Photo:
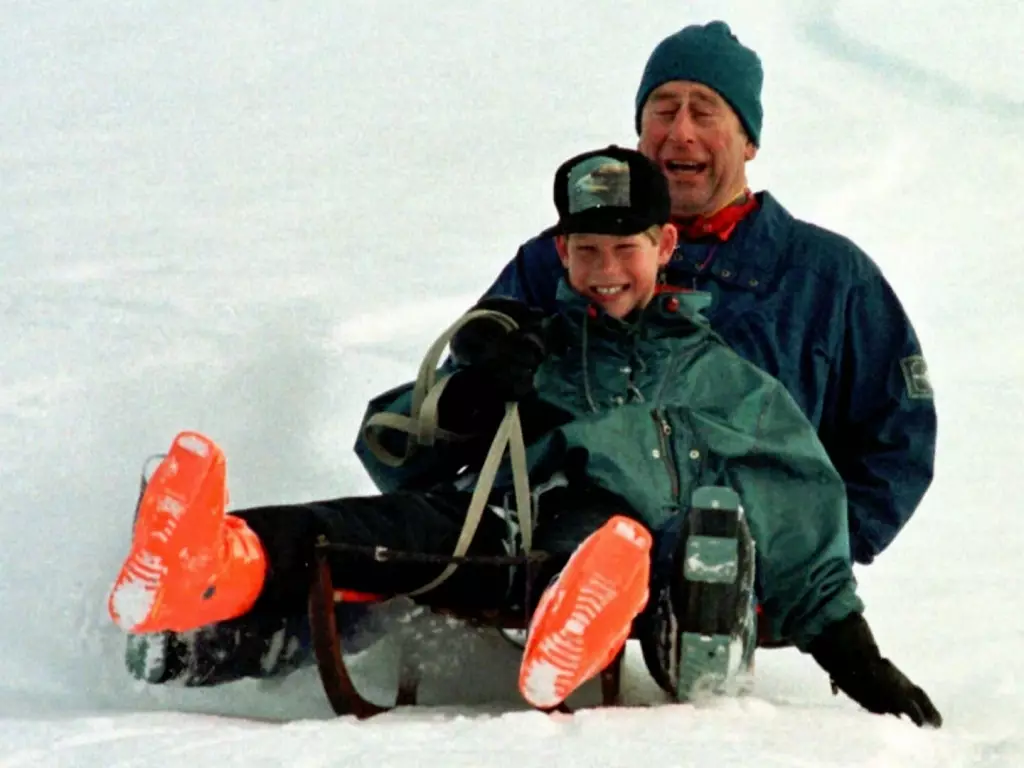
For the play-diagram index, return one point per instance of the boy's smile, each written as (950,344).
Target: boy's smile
(617,272)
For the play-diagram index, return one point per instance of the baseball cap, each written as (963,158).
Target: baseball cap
(610,191)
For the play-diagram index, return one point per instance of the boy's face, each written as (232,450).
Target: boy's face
(617,272)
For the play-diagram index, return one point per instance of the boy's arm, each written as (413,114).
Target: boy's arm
(532,276)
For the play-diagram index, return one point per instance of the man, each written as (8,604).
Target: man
(805,304)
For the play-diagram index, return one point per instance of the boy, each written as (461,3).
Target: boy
(642,428)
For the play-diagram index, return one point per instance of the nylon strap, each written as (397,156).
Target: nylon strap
(422,430)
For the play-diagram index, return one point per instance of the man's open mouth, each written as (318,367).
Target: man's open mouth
(679,166)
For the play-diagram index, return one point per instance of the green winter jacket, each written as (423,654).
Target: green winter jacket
(657,405)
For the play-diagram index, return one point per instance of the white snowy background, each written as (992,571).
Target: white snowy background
(248,217)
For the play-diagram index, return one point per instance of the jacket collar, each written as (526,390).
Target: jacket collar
(749,259)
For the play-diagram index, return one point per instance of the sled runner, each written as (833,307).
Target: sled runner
(345,698)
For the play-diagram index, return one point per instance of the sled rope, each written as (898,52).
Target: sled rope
(423,431)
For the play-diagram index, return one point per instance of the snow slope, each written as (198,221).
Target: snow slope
(248,218)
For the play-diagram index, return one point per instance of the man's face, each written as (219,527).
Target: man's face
(693,134)
(617,272)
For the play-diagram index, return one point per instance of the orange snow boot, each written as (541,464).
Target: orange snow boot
(585,616)
(190,564)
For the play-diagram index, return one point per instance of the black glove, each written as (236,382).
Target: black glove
(501,362)
(848,652)
(495,366)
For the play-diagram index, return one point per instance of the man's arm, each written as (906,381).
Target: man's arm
(880,428)
(532,276)
(796,511)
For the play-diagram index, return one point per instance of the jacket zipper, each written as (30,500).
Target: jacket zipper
(664,433)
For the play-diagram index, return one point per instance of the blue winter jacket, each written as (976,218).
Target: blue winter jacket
(813,310)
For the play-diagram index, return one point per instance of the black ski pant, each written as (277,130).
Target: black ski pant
(406,521)
(427,523)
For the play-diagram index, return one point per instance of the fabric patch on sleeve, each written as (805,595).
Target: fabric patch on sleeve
(915,374)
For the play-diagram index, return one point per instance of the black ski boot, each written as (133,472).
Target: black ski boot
(699,631)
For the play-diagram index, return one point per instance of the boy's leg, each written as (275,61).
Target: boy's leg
(273,637)
(566,516)
(415,522)
(185,557)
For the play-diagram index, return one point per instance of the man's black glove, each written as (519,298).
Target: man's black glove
(495,366)
(848,652)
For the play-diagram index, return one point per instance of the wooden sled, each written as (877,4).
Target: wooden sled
(342,693)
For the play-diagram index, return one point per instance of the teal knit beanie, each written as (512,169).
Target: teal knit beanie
(709,54)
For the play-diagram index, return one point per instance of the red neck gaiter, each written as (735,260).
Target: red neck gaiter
(719,225)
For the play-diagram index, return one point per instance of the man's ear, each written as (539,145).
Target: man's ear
(562,246)
(749,151)
(667,244)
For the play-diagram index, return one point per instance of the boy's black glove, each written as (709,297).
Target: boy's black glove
(496,366)
(500,361)
(848,652)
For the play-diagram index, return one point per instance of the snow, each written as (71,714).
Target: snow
(131,602)
(248,218)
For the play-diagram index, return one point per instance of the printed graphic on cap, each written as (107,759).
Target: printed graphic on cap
(597,182)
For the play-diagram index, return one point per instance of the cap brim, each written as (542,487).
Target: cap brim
(605,221)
